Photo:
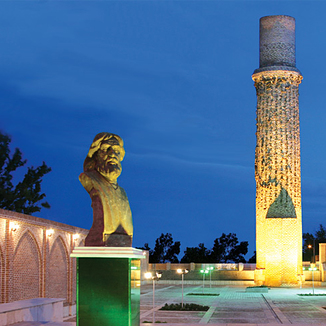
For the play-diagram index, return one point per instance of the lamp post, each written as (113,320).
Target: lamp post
(204,271)
(182,272)
(210,275)
(155,277)
(313,251)
(312,269)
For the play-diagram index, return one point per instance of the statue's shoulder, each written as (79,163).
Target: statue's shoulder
(123,191)
(86,180)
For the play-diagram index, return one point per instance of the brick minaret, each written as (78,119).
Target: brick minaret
(277,159)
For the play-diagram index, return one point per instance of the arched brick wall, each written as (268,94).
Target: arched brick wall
(2,269)
(57,287)
(26,269)
(35,257)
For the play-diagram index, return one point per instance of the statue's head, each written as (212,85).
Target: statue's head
(105,156)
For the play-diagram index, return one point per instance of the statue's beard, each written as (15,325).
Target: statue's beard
(110,170)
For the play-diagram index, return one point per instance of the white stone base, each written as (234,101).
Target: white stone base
(108,252)
(38,309)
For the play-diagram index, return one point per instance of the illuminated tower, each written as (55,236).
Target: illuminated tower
(277,159)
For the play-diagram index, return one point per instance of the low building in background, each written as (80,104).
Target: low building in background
(233,273)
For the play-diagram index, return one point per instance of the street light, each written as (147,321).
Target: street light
(155,277)
(210,275)
(313,250)
(312,269)
(182,272)
(204,271)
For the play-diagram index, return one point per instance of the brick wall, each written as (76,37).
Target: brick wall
(278,177)
(35,258)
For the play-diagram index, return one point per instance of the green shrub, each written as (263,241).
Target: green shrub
(207,294)
(312,295)
(186,307)
(157,322)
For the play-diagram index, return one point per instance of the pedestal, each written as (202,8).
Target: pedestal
(108,286)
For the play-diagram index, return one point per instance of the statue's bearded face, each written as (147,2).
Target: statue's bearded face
(108,159)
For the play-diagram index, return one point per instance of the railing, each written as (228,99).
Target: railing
(197,266)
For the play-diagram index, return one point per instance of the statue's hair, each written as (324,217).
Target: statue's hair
(89,163)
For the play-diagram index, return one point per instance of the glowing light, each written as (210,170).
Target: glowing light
(156,277)
(13,226)
(49,232)
(75,236)
(182,271)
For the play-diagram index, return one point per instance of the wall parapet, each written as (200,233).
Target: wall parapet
(42,222)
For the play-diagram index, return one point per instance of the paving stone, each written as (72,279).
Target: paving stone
(233,306)
(236,321)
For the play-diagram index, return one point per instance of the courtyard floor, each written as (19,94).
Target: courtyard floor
(232,306)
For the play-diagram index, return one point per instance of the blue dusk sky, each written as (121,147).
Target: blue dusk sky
(173,79)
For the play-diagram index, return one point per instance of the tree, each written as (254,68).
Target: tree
(308,239)
(226,249)
(165,250)
(252,260)
(26,196)
(150,251)
(198,254)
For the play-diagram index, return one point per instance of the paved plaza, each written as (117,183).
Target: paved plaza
(233,306)
(236,306)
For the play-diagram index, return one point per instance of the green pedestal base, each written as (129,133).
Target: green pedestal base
(108,287)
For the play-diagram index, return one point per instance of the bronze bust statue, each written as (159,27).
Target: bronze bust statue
(112,221)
